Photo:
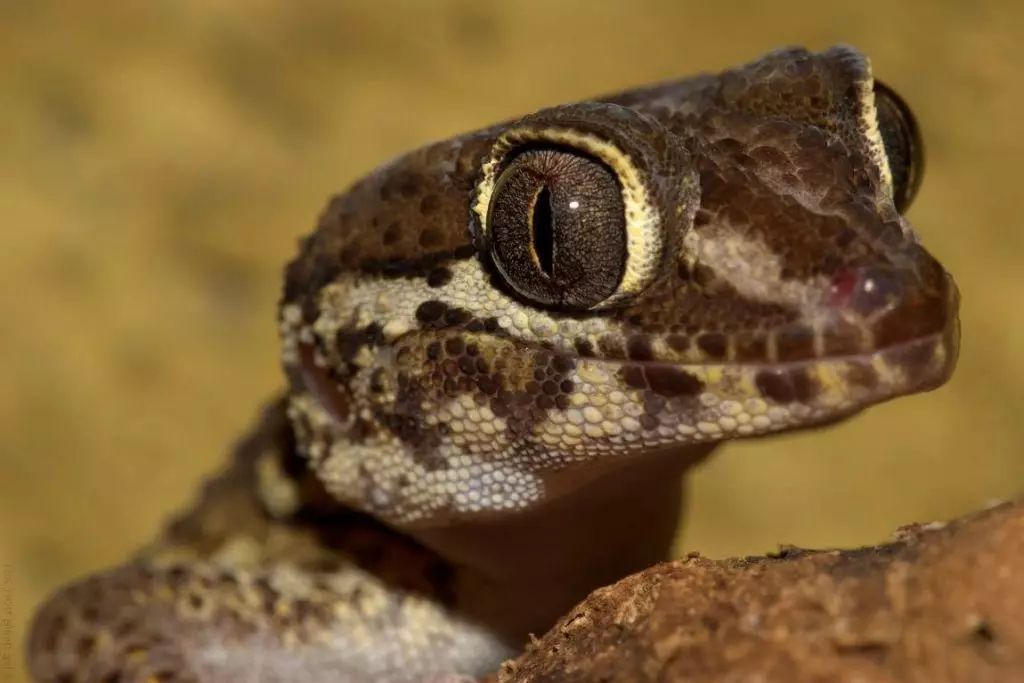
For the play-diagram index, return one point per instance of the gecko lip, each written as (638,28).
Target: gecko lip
(924,374)
(919,337)
(915,340)
(892,335)
(910,346)
(915,349)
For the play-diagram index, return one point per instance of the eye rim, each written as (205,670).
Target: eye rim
(645,239)
(530,173)
(891,109)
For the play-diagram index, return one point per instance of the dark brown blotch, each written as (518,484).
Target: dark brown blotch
(431,312)
(787,386)
(422,439)
(454,346)
(349,341)
(439,277)
(435,314)
(548,388)
(266,593)
(362,430)
(402,184)
(456,316)
(377,384)
(638,347)
(562,365)
(303,610)
(678,342)
(501,403)
(750,347)
(714,344)
(805,387)
(467,365)
(633,376)
(487,384)
(392,233)
(673,382)
(774,386)
(430,204)
(584,348)
(794,342)
(85,647)
(196,601)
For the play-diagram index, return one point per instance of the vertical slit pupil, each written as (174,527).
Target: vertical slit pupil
(543,232)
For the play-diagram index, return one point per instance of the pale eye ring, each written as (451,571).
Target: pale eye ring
(904,148)
(583,206)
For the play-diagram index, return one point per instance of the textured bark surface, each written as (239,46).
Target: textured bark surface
(939,603)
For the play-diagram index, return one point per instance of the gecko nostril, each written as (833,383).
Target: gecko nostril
(865,291)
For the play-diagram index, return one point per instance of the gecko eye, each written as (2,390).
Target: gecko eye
(903,146)
(583,206)
(557,222)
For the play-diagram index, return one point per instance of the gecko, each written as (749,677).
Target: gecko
(502,351)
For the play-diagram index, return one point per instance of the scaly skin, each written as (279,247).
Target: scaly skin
(504,349)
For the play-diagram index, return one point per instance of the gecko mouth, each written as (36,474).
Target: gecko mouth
(891,346)
(911,346)
(913,337)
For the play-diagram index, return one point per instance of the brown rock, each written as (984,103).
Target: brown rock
(939,603)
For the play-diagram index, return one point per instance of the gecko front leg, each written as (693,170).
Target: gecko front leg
(237,589)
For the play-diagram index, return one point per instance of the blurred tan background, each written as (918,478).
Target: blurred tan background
(159,160)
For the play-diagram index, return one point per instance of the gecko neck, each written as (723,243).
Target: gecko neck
(522,573)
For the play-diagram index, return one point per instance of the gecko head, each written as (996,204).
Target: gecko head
(759,276)
(676,266)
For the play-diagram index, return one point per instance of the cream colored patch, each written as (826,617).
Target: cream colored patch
(469,289)
(278,493)
(867,116)
(289,322)
(750,267)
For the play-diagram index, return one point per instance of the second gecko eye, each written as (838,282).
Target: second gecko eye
(904,149)
(557,222)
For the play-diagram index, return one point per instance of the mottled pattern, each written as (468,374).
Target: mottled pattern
(769,283)
(237,590)
(784,290)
